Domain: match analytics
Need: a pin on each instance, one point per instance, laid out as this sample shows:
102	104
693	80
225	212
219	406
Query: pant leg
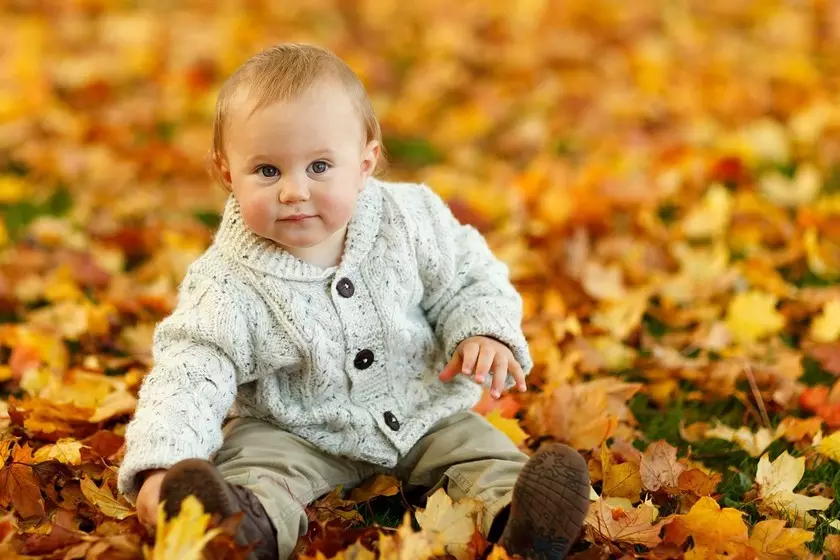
285	472
471	458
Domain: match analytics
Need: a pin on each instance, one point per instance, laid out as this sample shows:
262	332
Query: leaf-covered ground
662	176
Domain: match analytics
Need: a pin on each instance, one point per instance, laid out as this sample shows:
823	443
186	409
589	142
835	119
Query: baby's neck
326	254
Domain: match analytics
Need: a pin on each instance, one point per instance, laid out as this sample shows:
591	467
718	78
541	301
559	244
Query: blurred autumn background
662	176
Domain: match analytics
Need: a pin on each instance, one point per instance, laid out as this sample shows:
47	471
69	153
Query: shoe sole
550	502
198	478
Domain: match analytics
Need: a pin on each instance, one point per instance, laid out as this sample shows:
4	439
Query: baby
347	324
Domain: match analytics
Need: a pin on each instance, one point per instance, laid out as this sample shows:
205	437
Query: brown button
345	288
363	360
391	420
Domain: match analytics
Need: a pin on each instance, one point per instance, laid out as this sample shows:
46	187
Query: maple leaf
622	480
776	482
830	446
66	450
710	526
104	500
380	485
752	316
636	526
406	544
772	541
698	482
828	356
584	415
753	443
796	429
510	427
451	524
660	468
332	506
711	216
19	486
826	326
183	536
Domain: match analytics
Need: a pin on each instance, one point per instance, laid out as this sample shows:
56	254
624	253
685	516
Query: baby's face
297	167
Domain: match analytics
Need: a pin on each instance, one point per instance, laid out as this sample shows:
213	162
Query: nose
292	190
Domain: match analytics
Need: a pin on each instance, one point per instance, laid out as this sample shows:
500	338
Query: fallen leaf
710	526
104	500
380	485
183	536
660	468
452	524
776	481
19	487
509	427
753	443
830	446
752	316
622	480
773	541
67	451
637	526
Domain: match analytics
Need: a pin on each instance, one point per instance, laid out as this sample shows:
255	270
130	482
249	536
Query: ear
369	158
221	170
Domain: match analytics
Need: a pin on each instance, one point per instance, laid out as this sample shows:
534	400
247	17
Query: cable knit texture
257	332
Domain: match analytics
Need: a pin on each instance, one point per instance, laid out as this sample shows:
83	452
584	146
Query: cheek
255	211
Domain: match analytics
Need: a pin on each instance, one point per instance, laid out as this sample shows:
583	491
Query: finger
518	375
452	369
470	353
485	361
500	371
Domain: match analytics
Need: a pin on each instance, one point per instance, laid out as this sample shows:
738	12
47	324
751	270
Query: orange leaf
18	485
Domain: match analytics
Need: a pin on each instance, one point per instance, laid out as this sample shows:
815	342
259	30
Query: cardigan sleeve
467	290
197	351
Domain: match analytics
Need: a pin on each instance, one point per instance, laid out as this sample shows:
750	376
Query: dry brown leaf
637	526
660	468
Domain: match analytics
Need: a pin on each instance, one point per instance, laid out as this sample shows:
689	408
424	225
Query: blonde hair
281	73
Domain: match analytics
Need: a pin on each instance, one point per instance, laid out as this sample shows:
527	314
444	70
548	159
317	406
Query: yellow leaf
103	499
710	526
510	426
620	481
776	482
12	189
830	446
753	443
826	326
603	282
752	316
405	544
184	536
617	525
711	216
621	318
381	485
772	541
785	192
452	524
66	450
114	404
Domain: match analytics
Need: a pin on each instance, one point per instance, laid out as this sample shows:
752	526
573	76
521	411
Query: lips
296	218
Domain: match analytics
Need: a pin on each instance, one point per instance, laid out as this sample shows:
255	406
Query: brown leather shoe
201	479
550	501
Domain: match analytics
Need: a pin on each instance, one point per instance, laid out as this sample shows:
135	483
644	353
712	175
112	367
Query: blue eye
268	171
319	167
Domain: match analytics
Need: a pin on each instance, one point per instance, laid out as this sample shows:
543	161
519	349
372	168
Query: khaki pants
463	453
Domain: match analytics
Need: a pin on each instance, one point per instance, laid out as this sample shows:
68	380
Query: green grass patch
413	152
19	215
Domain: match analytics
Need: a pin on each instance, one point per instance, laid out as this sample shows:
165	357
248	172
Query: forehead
321	116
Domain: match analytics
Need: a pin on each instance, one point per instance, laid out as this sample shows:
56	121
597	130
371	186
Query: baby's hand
149	496
479	355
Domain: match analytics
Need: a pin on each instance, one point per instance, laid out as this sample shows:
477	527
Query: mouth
296	218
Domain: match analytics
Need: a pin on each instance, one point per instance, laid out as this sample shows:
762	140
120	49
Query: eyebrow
323	152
